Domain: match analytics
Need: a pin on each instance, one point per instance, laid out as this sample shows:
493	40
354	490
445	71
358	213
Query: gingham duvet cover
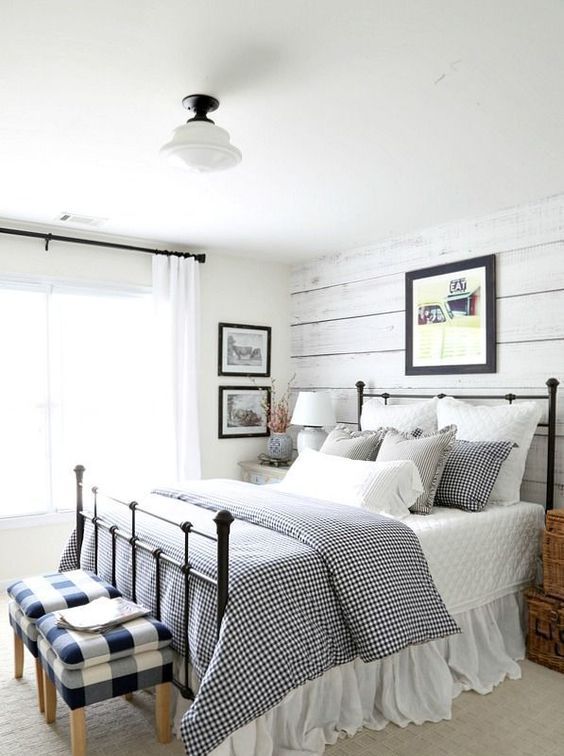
312	585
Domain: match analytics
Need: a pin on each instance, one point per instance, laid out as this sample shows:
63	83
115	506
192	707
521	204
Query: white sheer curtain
176	347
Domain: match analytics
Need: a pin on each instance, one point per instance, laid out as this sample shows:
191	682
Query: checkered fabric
23	627
42	594
312	585
82	687
470	472
429	453
69	560
81	650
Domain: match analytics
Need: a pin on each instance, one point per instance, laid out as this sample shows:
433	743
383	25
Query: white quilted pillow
402	417
382	487
507	422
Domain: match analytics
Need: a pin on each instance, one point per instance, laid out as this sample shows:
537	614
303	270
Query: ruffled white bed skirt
416	685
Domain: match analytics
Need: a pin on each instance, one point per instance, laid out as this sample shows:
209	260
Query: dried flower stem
277	411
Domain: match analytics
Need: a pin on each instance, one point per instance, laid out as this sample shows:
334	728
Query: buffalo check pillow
470	473
429	454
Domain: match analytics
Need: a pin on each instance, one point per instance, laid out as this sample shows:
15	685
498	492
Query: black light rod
75	240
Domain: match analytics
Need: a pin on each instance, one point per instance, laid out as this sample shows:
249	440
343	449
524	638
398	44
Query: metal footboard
222	520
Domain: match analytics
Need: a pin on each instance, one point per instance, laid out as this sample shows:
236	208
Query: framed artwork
244	350
450	318
243	411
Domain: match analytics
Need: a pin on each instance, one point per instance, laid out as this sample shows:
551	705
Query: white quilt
476	557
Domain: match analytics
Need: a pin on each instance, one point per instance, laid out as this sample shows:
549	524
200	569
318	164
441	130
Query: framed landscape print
450	318
243	411
244	350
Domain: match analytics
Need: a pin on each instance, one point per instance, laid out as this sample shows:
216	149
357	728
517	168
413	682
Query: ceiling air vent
72	219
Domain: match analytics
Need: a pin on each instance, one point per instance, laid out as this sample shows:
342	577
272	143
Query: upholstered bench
86	668
34	597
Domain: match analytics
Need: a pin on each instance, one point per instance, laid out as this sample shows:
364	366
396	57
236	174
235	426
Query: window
75	387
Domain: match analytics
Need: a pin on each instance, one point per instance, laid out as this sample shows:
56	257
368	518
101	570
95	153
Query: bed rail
222	520
551	395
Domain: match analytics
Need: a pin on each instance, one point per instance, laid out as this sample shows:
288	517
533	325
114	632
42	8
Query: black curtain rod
55	237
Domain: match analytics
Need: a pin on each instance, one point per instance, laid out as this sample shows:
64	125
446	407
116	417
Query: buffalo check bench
32	598
86	668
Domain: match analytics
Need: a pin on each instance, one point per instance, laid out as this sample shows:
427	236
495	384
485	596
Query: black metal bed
552	388
222	520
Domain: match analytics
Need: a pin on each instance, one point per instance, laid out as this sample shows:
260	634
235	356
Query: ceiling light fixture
199	144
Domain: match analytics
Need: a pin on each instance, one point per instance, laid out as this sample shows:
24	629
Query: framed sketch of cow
244	350
450	318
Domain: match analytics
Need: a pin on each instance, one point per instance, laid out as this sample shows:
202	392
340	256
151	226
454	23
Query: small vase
280	446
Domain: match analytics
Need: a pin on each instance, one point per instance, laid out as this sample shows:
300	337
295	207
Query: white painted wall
238	290
348	315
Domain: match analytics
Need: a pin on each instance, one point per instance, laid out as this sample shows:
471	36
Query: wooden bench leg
78	732
162	712
18	656
40	685
50	699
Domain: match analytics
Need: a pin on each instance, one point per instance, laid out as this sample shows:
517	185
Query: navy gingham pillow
470	471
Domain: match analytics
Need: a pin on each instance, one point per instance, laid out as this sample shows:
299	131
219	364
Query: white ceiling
357	120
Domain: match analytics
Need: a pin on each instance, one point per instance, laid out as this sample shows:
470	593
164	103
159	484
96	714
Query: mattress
477	557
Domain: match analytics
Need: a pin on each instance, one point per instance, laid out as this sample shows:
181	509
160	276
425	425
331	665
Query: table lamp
313	410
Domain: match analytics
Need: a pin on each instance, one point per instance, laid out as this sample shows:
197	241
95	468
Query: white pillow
384	487
505	422
403	417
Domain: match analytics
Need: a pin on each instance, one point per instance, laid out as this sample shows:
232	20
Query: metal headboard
550	396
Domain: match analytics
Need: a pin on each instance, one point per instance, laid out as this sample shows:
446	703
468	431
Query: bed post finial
360	396
552	385
79	474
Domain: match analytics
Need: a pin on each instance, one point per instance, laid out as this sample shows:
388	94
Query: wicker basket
555	521
545	636
553	554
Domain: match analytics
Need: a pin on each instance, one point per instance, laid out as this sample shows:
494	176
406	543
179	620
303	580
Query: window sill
37	520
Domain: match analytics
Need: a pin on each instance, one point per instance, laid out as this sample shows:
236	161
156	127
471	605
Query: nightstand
261	475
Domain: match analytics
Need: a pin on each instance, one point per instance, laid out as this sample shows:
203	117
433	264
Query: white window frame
47	285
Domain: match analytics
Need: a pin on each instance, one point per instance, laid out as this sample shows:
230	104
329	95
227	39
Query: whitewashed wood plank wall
348	315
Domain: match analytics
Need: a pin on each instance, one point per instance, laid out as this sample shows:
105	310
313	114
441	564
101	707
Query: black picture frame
226	427
229	363
446	295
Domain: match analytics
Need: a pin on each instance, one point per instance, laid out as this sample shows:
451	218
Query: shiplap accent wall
348	316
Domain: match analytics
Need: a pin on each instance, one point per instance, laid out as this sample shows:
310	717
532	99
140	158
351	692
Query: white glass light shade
201	146
313	409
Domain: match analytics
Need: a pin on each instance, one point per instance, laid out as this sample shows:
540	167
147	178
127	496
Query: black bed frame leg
552	385
79	473
223	520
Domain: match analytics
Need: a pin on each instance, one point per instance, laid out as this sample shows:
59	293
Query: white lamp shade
314	409
201	146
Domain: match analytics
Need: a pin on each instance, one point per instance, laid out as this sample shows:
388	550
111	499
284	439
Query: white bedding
480	561
476	557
